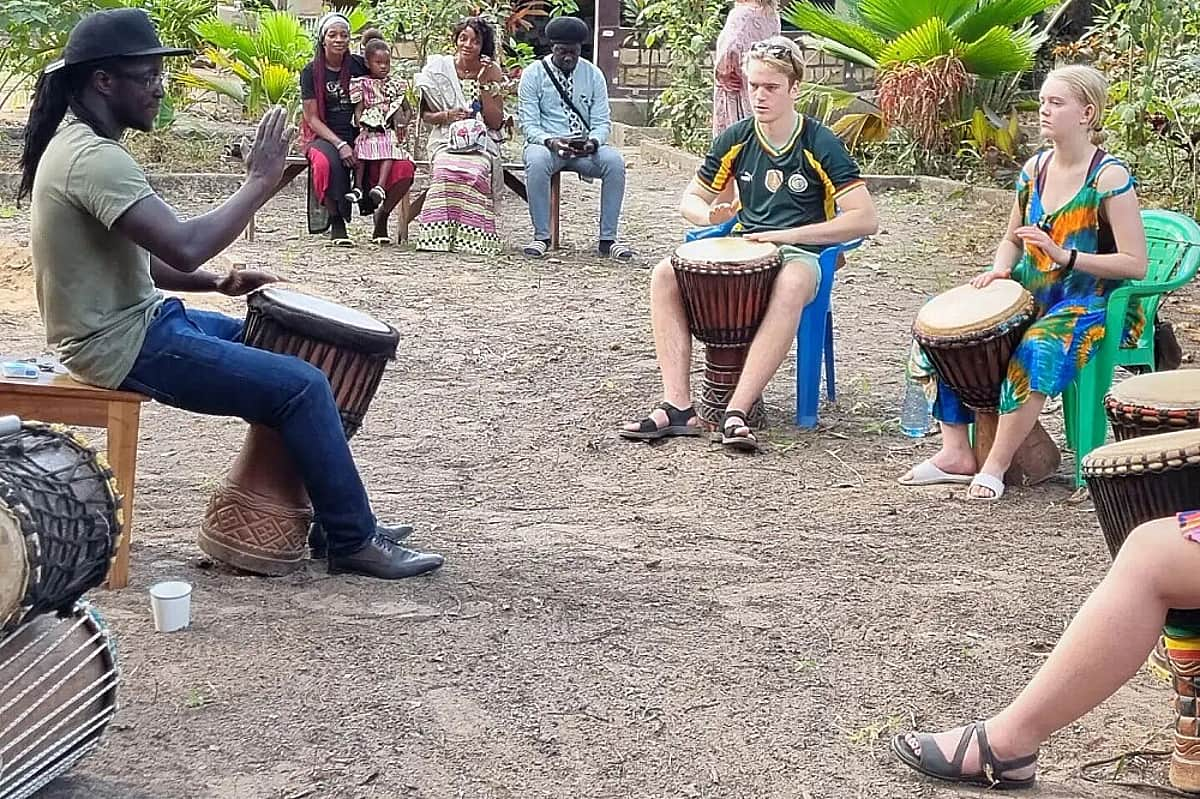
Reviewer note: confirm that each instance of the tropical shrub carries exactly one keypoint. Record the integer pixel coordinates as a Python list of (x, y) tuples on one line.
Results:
[(935, 61), (687, 29), (257, 67), (1147, 50)]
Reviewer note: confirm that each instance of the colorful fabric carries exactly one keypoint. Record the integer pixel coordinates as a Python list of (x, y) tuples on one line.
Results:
[(793, 186), (746, 24), (1071, 303), (459, 214), (1189, 524), (381, 99)]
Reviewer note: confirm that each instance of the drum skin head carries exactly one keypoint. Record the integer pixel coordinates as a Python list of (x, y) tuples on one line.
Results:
[(14, 564), (1144, 453), (725, 249), (1177, 389), (966, 309), (318, 308)]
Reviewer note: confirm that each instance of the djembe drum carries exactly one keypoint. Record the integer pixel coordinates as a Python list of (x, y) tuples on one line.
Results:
[(969, 336), (258, 519), (58, 692), (1157, 402), (725, 284), (59, 521), (1133, 481)]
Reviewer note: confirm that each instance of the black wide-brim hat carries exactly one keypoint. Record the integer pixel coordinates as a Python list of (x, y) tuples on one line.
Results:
[(113, 33)]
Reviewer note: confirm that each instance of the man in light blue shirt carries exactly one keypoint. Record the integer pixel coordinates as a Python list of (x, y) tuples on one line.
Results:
[(565, 116)]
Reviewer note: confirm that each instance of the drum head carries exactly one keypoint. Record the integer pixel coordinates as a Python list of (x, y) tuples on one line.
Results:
[(725, 250), (1178, 389), (14, 565), (325, 320), (966, 309), (1144, 454)]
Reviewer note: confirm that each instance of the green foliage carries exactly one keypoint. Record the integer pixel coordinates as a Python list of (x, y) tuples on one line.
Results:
[(259, 67), (426, 24), (990, 37), (688, 29), (1147, 50), (937, 62)]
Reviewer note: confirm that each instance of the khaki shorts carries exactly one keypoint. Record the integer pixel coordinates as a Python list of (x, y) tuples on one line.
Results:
[(790, 254)]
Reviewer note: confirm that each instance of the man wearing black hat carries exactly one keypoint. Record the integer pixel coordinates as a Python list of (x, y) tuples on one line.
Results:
[(105, 245), (564, 113)]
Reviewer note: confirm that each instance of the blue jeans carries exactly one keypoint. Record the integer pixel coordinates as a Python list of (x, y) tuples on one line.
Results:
[(949, 408), (606, 164), (195, 360)]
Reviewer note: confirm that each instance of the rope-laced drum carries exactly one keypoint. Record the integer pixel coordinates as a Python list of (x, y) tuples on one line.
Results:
[(58, 692), (725, 284), (1157, 402), (59, 521), (258, 519), (969, 335)]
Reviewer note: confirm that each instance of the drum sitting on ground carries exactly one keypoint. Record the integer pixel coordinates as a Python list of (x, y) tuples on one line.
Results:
[(1158, 402), (725, 284), (59, 521), (258, 519), (58, 692), (969, 335)]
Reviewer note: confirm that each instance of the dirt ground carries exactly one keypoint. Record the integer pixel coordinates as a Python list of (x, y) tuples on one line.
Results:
[(614, 619)]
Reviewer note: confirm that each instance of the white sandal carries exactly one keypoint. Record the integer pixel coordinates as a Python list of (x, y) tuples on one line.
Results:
[(928, 473), (993, 484)]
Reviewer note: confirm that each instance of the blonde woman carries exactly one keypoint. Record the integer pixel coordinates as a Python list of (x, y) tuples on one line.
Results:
[(1074, 236), (749, 21)]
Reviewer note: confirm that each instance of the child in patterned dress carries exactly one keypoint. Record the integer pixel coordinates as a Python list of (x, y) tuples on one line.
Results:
[(381, 115)]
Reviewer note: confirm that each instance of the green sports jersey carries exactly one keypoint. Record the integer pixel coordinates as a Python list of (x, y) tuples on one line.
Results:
[(780, 189)]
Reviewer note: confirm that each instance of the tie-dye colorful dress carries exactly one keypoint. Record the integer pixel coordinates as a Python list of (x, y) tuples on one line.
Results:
[(1070, 302)]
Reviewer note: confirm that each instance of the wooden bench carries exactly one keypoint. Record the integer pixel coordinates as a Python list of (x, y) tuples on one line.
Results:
[(58, 399), (410, 207)]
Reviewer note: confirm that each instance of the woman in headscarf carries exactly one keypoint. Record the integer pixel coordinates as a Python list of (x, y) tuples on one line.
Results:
[(462, 103), (327, 137)]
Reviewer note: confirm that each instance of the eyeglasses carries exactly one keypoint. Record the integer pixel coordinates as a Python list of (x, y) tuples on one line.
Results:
[(147, 80)]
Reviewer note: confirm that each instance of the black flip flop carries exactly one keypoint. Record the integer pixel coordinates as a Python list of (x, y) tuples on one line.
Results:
[(677, 425)]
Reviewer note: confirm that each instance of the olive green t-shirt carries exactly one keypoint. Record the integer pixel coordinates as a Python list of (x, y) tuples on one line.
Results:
[(94, 288)]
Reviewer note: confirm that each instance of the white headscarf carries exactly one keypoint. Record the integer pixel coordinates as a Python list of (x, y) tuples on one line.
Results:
[(327, 21)]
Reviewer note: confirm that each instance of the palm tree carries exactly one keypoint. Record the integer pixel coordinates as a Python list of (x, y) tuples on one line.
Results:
[(931, 56)]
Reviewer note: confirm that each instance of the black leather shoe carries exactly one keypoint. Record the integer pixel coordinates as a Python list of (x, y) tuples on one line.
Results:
[(319, 547), (383, 558)]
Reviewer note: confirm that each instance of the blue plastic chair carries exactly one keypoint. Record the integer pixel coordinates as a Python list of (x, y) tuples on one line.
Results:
[(814, 336)]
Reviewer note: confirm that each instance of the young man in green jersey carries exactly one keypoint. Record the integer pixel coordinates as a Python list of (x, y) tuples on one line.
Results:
[(799, 189)]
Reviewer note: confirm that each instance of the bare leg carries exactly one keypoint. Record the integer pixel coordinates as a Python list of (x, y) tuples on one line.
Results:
[(1105, 644), (672, 341), (794, 288), (385, 169), (1011, 432), (384, 212), (360, 175), (956, 455)]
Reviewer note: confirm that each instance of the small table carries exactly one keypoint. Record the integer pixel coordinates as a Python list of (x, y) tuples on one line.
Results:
[(57, 398)]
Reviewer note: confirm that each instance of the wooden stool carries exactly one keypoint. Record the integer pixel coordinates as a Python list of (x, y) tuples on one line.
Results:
[(59, 399)]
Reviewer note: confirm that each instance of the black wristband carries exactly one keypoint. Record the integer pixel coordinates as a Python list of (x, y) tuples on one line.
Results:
[(1071, 260)]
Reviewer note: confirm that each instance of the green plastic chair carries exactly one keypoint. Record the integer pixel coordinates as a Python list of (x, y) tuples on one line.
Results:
[(1173, 246)]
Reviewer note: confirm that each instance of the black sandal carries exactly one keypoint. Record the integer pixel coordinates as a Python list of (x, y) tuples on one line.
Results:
[(931, 763), (729, 436), (678, 424)]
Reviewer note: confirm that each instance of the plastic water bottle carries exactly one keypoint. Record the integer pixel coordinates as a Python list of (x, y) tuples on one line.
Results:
[(915, 416)]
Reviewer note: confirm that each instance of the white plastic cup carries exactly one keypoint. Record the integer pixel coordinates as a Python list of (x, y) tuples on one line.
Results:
[(171, 602)]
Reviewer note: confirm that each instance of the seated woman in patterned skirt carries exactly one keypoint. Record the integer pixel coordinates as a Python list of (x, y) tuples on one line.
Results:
[(461, 103)]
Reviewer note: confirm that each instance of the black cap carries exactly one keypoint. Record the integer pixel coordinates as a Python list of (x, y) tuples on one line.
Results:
[(114, 33), (567, 30)]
